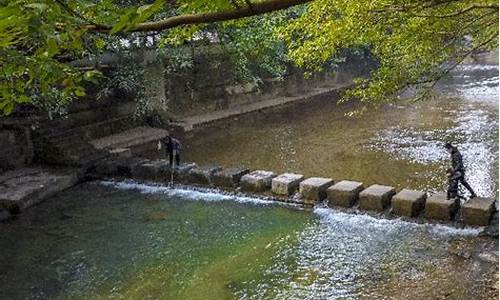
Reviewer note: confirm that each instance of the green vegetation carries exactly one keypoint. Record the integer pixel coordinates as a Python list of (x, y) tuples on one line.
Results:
[(410, 40)]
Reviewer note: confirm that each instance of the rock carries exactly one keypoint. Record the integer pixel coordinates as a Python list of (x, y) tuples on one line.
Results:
[(344, 193), (286, 184), (478, 211), (203, 175), (229, 178), (22, 188), (146, 170), (257, 181), (376, 197), (439, 208), (313, 190), (4, 215), (180, 173), (408, 203)]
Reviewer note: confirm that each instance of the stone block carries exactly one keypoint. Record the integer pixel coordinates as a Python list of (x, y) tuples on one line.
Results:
[(344, 193), (439, 208), (376, 197), (229, 178), (257, 181), (313, 190), (478, 211), (408, 203), (202, 175), (286, 184), (180, 173)]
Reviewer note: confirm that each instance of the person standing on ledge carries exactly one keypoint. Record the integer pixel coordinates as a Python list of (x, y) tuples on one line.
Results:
[(173, 148), (458, 168)]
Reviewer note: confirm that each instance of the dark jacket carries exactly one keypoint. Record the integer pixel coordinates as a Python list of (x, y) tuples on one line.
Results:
[(174, 144), (456, 161)]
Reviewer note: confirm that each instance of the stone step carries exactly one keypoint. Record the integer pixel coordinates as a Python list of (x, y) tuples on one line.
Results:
[(130, 138), (344, 193), (478, 211), (25, 187), (91, 131), (437, 207)]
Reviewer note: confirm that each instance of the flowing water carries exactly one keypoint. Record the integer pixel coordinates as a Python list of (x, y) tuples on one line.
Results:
[(399, 145), (124, 240), (127, 240)]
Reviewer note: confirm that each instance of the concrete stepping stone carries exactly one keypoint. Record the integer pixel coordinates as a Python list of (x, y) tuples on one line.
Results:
[(229, 178), (286, 184), (344, 193), (439, 208), (203, 175), (313, 189), (408, 203), (376, 197), (257, 181), (478, 211)]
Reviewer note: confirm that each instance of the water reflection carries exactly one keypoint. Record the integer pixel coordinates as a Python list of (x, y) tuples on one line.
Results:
[(399, 145)]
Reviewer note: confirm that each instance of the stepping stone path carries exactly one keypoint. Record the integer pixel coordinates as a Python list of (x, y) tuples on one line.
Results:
[(408, 203), (313, 189), (439, 208), (478, 211), (257, 181), (376, 197), (229, 178), (344, 193), (286, 184)]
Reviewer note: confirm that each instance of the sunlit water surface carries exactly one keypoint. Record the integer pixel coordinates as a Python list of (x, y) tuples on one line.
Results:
[(399, 144)]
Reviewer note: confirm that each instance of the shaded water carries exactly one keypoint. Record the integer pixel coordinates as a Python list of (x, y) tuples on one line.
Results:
[(399, 145), (122, 240)]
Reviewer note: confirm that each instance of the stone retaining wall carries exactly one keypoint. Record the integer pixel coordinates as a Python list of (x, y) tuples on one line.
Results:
[(296, 188)]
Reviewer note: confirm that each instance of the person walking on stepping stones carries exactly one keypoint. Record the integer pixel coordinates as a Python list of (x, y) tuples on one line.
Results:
[(457, 171)]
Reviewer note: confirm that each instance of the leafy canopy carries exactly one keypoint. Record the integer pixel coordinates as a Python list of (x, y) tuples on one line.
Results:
[(411, 40)]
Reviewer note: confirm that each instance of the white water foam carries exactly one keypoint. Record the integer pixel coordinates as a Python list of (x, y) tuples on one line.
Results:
[(208, 195), (332, 217)]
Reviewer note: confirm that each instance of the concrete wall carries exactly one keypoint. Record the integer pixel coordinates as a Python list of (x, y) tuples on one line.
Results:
[(16, 149), (211, 85)]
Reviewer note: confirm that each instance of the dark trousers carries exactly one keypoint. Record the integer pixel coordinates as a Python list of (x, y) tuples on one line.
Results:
[(171, 155), (453, 186)]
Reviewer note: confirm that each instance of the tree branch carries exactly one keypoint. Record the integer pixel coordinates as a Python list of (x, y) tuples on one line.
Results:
[(208, 17)]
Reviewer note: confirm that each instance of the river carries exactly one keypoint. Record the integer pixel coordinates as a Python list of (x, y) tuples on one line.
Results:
[(129, 240)]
